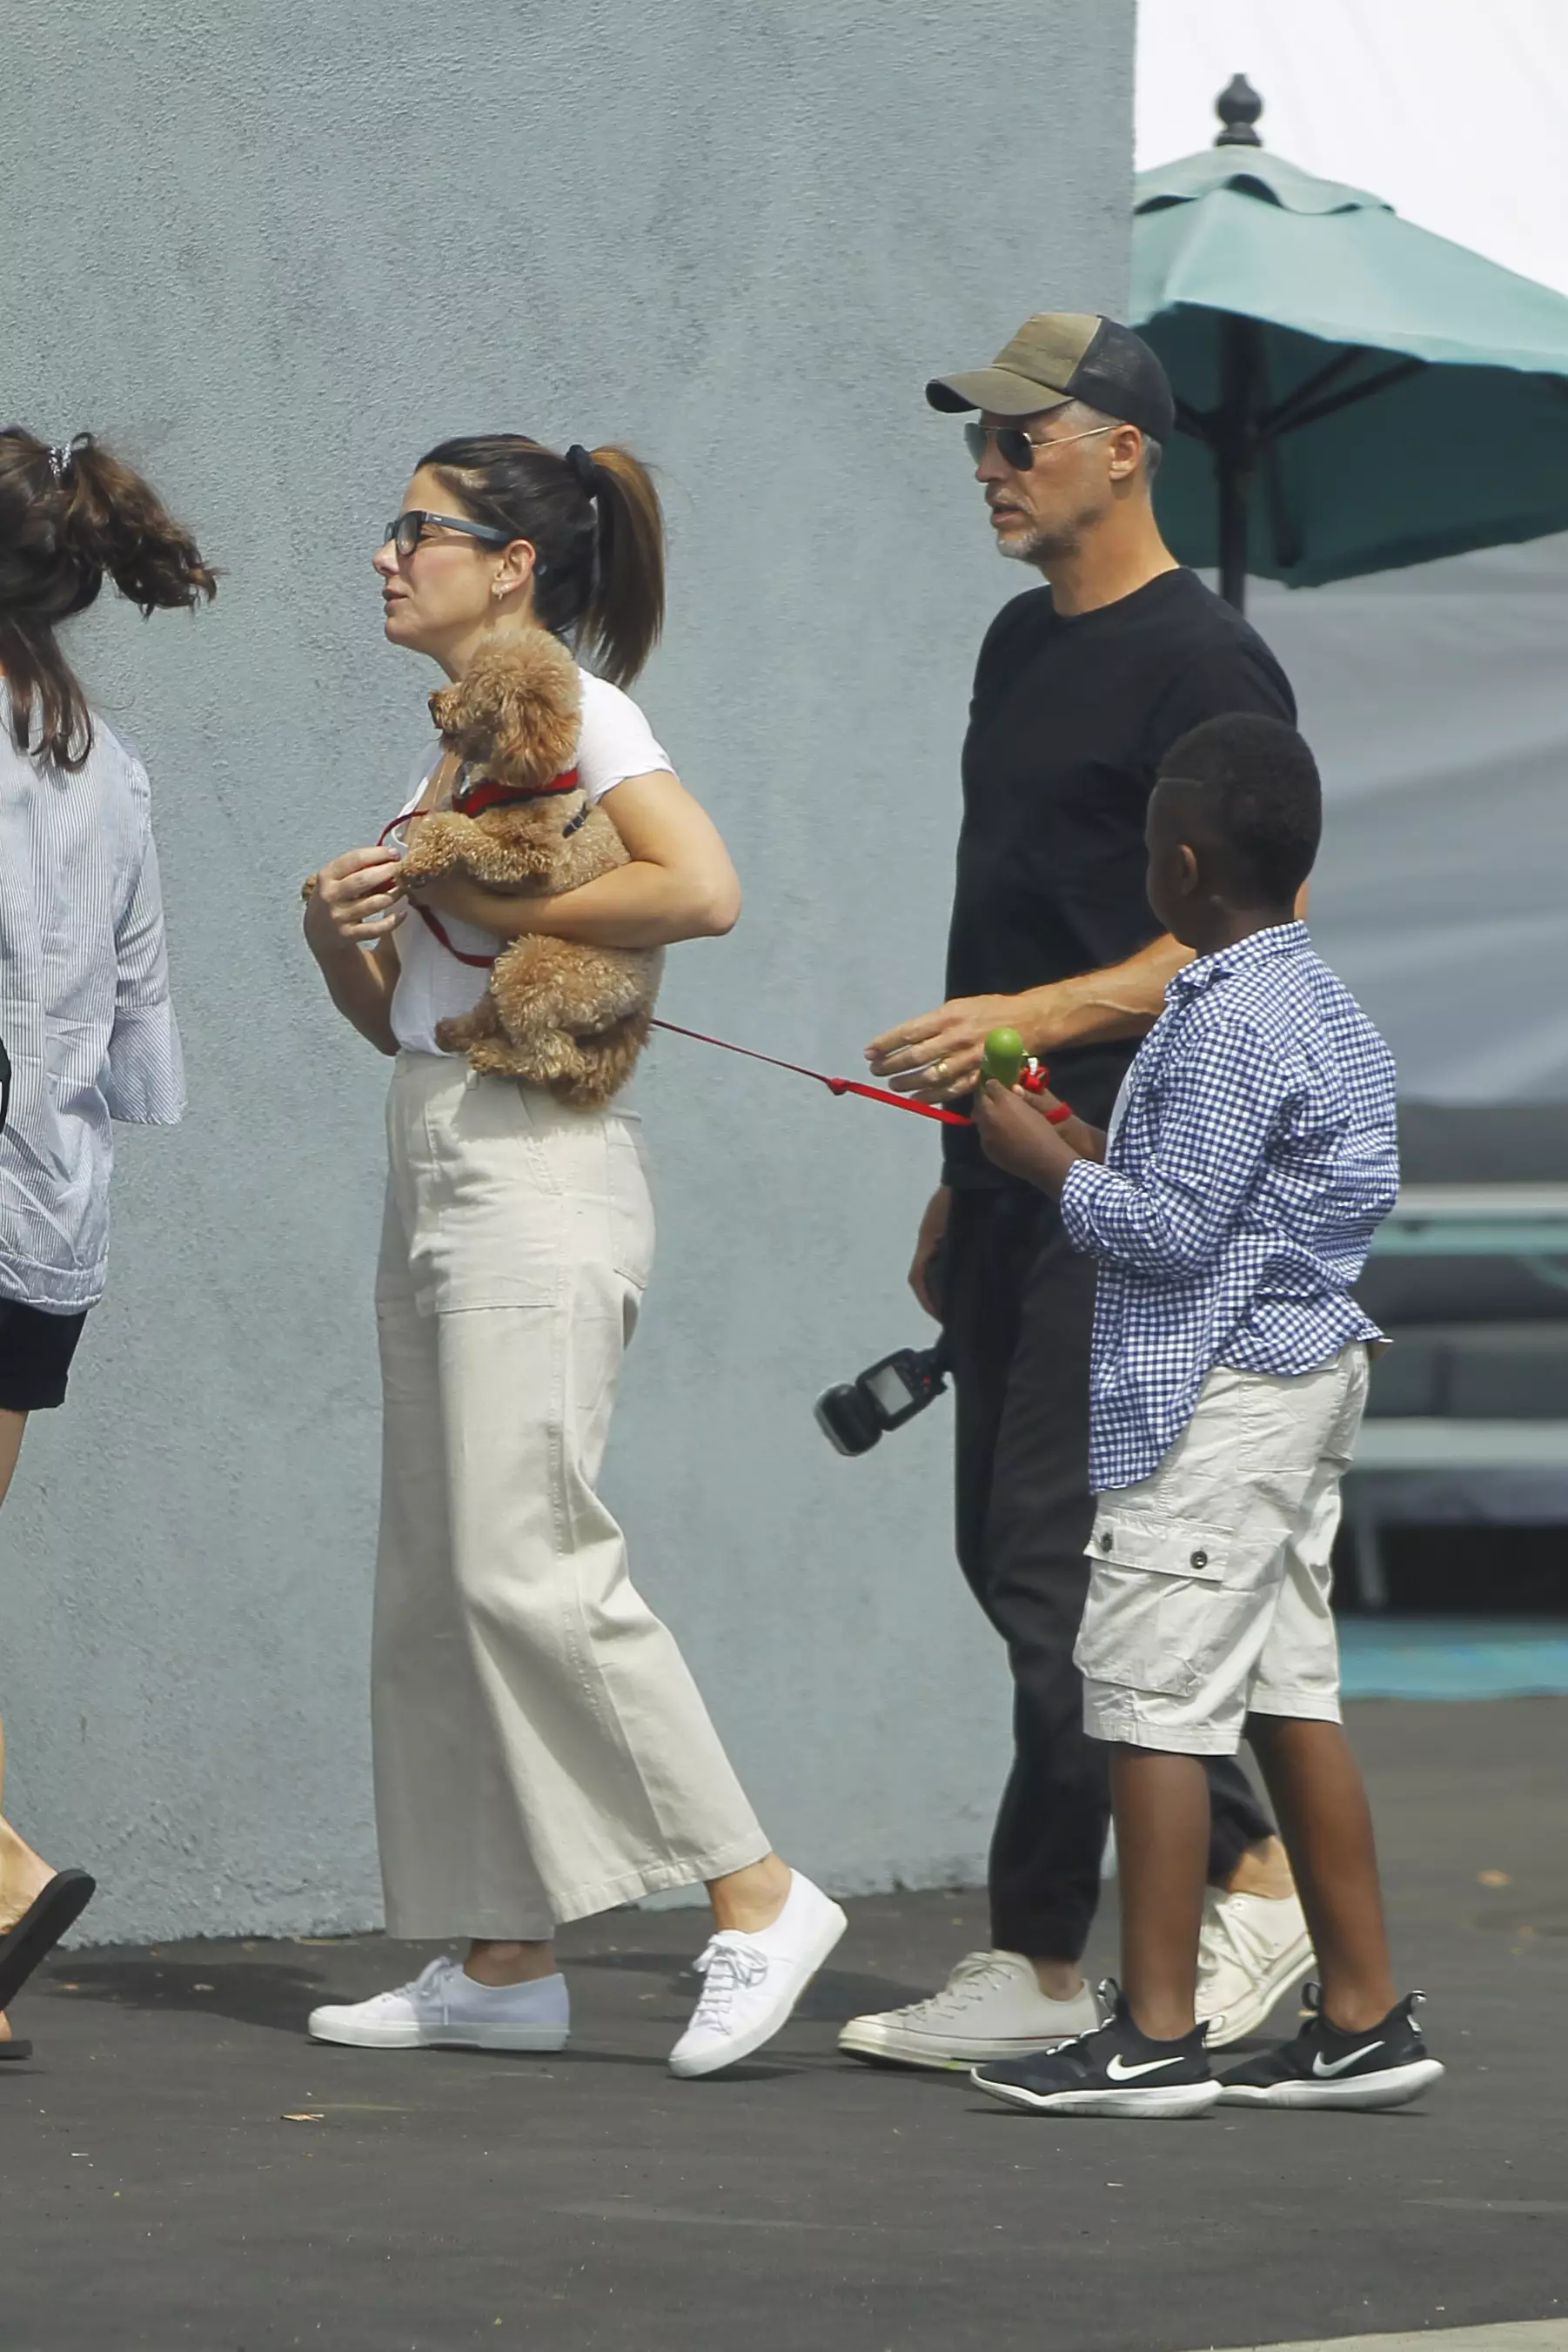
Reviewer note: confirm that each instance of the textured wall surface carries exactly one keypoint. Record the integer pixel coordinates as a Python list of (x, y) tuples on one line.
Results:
[(274, 253)]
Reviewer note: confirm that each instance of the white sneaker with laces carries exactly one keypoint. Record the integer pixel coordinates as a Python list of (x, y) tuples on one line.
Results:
[(991, 2007), (752, 1983), (1252, 1949), (444, 2009)]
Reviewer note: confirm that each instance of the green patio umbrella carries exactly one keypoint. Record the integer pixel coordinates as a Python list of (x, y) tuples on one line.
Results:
[(1353, 393)]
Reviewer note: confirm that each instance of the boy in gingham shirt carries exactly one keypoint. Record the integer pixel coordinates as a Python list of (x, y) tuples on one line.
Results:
[(1250, 1158)]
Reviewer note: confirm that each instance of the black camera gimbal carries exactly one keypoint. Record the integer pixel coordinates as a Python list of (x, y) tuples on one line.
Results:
[(857, 1415)]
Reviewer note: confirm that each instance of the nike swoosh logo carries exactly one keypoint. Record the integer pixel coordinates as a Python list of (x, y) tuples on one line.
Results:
[(1340, 2064), (1120, 2073)]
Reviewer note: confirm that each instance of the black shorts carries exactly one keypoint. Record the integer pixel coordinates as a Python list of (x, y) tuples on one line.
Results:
[(35, 1351)]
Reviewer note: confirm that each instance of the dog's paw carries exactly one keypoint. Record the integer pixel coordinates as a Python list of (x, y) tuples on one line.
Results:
[(436, 845), (497, 1058), (465, 1029), (447, 707)]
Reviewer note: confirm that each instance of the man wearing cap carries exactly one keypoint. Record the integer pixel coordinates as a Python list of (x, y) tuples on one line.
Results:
[(1082, 684)]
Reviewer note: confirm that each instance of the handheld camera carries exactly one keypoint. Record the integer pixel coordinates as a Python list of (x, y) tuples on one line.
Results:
[(857, 1415)]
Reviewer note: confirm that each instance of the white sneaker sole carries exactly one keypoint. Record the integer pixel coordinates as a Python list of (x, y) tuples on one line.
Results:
[(884, 2046), (1170, 2105), (1235, 2024), (1396, 2087), (729, 2050), (439, 2037)]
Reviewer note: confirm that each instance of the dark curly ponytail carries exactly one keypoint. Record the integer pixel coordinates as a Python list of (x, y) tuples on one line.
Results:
[(68, 516)]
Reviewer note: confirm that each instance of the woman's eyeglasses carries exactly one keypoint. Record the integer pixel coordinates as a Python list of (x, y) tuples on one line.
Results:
[(1014, 446), (411, 526)]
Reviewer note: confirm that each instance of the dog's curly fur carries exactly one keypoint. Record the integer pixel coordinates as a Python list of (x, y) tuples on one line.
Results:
[(561, 1015)]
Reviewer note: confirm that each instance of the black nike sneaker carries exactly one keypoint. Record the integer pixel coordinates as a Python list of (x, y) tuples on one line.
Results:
[(1114, 2071), (1385, 2067)]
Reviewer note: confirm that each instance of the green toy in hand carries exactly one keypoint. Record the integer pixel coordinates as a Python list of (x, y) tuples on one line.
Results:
[(1004, 1058)]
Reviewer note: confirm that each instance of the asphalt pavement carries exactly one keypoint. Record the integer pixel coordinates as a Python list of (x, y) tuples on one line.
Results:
[(178, 2166)]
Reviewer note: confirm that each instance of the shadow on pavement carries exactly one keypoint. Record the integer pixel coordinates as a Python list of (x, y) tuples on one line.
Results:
[(278, 1997), (258, 1993)]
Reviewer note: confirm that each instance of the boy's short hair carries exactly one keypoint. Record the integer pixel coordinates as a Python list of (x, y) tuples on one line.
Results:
[(1261, 791)]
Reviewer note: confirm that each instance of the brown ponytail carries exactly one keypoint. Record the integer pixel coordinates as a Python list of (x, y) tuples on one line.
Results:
[(626, 611), (597, 529), (67, 518)]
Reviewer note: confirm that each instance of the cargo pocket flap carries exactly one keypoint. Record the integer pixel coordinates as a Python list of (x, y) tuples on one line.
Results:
[(1124, 1540)]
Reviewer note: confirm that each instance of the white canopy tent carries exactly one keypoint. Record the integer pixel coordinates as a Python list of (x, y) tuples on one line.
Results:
[(1437, 698)]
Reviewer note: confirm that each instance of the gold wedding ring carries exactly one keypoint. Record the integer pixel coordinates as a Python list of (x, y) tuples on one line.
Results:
[(938, 1071)]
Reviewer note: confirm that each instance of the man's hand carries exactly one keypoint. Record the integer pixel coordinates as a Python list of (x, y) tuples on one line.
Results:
[(1015, 1134), (933, 1226), (938, 1056)]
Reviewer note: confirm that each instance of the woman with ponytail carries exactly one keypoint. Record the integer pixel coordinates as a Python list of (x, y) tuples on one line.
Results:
[(541, 1752), (84, 997)]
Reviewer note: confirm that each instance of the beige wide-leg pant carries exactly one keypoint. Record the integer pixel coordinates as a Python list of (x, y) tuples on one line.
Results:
[(540, 1749)]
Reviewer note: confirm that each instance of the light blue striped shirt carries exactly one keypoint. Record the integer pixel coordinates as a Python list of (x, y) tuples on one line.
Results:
[(84, 1009)]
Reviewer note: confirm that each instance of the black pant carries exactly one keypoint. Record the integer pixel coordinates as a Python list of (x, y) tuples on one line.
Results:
[(1019, 1306)]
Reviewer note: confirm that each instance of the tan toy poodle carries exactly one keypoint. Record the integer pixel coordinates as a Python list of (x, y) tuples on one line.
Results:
[(559, 1014)]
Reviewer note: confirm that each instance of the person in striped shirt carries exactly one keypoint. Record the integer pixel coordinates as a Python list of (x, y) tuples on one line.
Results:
[(84, 995)]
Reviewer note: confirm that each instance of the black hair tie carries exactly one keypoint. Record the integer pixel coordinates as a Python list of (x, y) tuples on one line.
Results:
[(589, 474)]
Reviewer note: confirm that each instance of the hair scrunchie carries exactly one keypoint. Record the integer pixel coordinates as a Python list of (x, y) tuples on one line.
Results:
[(62, 455), (589, 472)]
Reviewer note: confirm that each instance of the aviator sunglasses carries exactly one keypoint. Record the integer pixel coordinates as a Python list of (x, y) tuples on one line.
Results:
[(405, 531), (1014, 446)]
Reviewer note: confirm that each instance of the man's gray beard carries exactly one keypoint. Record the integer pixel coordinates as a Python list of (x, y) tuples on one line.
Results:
[(1035, 544)]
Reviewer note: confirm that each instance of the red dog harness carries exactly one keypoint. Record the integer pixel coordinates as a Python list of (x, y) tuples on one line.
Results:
[(472, 800)]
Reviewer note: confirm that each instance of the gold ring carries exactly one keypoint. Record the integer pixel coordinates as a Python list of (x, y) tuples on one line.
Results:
[(937, 1068)]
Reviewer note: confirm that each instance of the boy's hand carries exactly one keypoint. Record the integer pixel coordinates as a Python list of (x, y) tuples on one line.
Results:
[(1015, 1134)]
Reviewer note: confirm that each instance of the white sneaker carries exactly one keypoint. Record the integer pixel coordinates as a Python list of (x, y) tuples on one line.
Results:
[(991, 2007), (1253, 1948), (444, 2009), (752, 1983)]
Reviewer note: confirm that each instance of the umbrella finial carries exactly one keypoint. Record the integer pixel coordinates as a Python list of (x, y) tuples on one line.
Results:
[(1238, 107)]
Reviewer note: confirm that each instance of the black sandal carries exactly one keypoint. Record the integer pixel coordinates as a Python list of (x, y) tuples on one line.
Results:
[(14, 2049), (52, 1916)]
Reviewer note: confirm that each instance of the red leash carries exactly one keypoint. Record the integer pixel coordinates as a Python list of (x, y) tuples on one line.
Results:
[(481, 963), (834, 1086)]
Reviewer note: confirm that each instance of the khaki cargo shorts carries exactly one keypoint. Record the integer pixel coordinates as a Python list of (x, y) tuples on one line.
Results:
[(1209, 1598)]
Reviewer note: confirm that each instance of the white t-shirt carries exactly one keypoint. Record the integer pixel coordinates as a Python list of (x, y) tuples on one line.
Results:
[(616, 741)]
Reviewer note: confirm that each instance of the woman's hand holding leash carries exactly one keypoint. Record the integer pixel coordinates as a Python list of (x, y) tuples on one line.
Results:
[(352, 902), (352, 908)]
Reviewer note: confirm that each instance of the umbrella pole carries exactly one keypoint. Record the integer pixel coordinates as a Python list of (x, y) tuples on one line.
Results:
[(1233, 488), (1235, 455)]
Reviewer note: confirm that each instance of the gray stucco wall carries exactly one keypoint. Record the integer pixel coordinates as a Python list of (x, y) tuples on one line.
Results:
[(273, 253)]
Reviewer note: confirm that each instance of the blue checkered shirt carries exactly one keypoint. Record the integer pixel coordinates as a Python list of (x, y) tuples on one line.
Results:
[(1251, 1159)]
